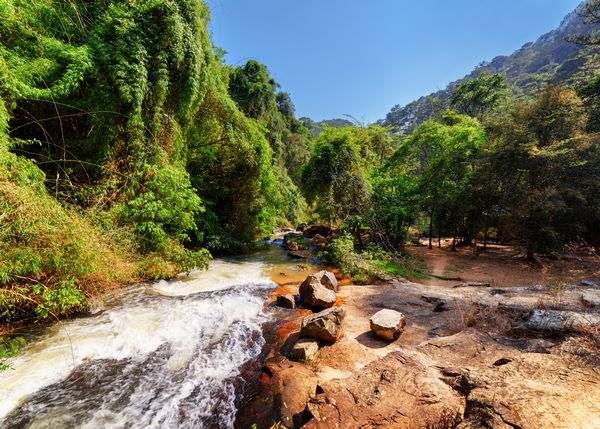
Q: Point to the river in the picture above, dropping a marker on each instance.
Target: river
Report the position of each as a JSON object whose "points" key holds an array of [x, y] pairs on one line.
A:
{"points": [[165, 355]]}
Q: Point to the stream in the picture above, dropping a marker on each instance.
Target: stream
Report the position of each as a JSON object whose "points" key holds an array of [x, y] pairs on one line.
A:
{"points": [[165, 355]]}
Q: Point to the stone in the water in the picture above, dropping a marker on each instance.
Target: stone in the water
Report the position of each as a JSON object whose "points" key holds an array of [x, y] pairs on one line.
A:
{"points": [[327, 279], [324, 326], [587, 283], [319, 241], [314, 295], [286, 301], [305, 349], [388, 324]]}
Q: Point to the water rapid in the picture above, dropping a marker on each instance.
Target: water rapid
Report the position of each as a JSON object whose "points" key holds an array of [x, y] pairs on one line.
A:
{"points": [[166, 355]]}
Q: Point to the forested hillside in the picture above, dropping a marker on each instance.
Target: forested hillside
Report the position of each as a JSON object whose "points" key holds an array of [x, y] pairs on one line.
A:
{"points": [[127, 149], [552, 59]]}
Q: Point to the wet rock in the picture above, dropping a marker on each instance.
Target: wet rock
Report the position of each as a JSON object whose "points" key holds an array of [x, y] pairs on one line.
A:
{"points": [[388, 324], [286, 301], [319, 241], [292, 246], [300, 254], [327, 279], [324, 326], [305, 349], [398, 391], [302, 227], [314, 295], [325, 231], [554, 321]]}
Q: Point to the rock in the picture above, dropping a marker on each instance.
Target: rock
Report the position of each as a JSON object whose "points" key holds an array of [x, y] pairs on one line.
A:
{"points": [[591, 298], [291, 236], [292, 246], [324, 326], [286, 301], [554, 321], [302, 227], [587, 283], [399, 390], [327, 279], [325, 231], [388, 324], [292, 385], [300, 254], [314, 295], [319, 241], [305, 349], [473, 284], [528, 390]]}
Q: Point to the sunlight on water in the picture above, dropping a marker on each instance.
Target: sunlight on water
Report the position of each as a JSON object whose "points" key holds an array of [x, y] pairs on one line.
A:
{"points": [[169, 355]]}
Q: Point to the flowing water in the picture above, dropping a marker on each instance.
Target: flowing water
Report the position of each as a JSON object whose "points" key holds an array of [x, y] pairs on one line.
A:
{"points": [[166, 355]]}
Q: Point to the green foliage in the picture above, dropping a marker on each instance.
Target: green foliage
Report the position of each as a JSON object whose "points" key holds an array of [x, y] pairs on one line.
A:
{"points": [[476, 97], [370, 265], [335, 179], [165, 206], [9, 347]]}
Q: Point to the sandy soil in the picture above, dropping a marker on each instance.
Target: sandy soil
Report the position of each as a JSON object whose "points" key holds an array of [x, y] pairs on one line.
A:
{"points": [[502, 266]]}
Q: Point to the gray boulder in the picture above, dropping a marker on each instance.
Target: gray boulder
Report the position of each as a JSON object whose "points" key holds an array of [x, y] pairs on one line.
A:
{"points": [[388, 324], [324, 326], [314, 295]]}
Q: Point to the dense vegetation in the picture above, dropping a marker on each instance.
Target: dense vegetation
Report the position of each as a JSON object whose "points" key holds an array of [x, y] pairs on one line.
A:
{"points": [[129, 150]]}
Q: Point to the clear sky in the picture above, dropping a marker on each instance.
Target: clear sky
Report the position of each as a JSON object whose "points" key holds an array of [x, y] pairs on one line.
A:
{"points": [[362, 57]]}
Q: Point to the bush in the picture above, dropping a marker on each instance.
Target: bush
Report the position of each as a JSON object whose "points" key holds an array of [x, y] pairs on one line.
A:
{"points": [[374, 263]]}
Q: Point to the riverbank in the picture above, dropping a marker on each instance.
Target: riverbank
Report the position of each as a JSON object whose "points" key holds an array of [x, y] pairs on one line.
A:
{"points": [[471, 354]]}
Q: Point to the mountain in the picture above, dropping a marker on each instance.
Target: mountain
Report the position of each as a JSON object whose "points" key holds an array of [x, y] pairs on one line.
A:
{"points": [[317, 127], [551, 59]]}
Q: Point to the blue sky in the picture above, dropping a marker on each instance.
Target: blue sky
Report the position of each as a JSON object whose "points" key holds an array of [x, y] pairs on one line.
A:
{"points": [[362, 57]]}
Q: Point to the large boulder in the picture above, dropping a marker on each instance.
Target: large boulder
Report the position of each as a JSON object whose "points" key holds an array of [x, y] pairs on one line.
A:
{"points": [[327, 279], [400, 390], [388, 324], [314, 295], [325, 326]]}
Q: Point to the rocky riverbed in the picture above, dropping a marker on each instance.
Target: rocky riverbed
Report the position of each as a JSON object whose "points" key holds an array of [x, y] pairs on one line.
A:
{"points": [[469, 356]]}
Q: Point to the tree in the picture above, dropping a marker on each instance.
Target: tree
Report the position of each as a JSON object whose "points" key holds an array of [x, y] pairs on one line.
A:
{"points": [[476, 97], [335, 179], [538, 159], [590, 94]]}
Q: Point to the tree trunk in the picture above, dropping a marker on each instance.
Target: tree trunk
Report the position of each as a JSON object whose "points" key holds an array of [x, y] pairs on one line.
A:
{"points": [[431, 229]]}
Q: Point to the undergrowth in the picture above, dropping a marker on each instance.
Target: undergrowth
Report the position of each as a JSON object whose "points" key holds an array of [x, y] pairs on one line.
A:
{"points": [[372, 264]]}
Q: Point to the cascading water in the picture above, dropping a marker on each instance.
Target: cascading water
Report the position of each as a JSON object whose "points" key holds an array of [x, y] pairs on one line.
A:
{"points": [[167, 355]]}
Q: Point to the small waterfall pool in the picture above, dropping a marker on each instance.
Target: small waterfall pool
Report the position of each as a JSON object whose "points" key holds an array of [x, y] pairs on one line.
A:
{"points": [[166, 355]]}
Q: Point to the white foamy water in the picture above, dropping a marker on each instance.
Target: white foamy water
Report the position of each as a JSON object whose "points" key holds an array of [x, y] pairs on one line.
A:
{"points": [[168, 356]]}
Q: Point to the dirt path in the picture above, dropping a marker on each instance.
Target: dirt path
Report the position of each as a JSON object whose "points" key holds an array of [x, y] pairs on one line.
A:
{"points": [[501, 267]]}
